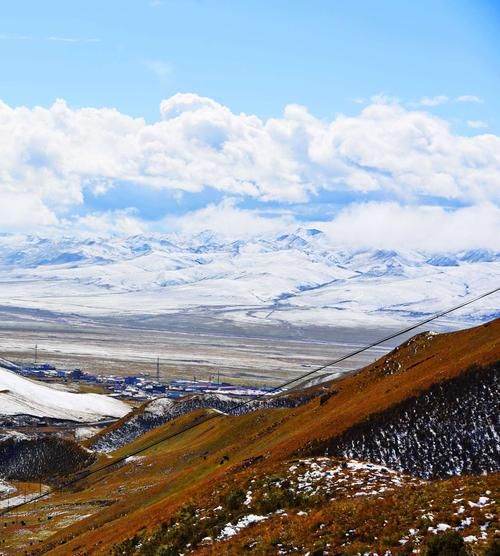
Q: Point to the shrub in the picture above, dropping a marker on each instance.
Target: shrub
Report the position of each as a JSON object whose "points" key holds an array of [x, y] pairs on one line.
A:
{"points": [[449, 543], [234, 499], [493, 549]]}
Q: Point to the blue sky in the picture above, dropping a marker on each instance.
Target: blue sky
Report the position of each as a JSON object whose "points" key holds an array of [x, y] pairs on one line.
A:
{"points": [[252, 56], [337, 58]]}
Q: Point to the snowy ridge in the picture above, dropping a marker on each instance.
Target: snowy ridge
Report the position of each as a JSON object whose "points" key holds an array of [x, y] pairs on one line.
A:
{"points": [[163, 410], [301, 278], [21, 396]]}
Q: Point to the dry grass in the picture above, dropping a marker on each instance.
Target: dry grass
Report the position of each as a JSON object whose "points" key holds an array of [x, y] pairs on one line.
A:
{"points": [[139, 496]]}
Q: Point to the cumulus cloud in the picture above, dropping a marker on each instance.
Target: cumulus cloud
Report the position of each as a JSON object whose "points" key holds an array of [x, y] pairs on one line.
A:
{"points": [[23, 211], [377, 225], [430, 228], [55, 155], [231, 222], [123, 223]]}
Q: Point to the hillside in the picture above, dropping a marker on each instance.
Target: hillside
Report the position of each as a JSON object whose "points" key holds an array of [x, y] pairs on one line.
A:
{"points": [[20, 396], [268, 482], [160, 411], [438, 433]]}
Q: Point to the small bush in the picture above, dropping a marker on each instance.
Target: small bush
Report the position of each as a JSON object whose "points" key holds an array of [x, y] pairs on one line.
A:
{"points": [[276, 497], [126, 548], [449, 543], [234, 499], [493, 549]]}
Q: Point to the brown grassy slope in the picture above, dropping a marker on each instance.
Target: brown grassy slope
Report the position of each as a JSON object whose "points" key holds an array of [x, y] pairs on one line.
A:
{"points": [[146, 492], [177, 470], [398, 521], [408, 370]]}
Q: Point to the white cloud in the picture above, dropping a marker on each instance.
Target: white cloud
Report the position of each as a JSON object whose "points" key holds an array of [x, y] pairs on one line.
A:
{"points": [[72, 39], [52, 38], [55, 154], [382, 98], [23, 211], [5, 37], [477, 124], [378, 225], [433, 101], [435, 229], [229, 221], [470, 98], [112, 222]]}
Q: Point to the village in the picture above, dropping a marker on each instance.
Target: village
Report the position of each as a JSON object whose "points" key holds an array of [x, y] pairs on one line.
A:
{"points": [[140, 387]]}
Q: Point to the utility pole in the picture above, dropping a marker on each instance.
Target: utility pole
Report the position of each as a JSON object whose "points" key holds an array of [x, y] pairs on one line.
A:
{"points": [[218, 376], [36, 353], [158, 369]]}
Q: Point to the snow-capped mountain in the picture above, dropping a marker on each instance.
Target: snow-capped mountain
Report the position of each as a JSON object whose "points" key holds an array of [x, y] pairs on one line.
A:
{"points": [[299, 278]]}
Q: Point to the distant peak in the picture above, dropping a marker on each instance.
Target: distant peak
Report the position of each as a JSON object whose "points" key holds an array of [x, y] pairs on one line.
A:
{"points": [[313, 231]]}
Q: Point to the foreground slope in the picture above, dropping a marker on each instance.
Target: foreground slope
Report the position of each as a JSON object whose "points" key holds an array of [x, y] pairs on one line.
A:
{"points": [[268, 481]]}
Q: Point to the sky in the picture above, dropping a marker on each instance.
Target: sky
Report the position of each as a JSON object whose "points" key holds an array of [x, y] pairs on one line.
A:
{"points": [[364, 119]]}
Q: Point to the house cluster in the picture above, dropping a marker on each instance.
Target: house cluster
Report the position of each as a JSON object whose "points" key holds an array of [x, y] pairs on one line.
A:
{"points": [[142, 387]]}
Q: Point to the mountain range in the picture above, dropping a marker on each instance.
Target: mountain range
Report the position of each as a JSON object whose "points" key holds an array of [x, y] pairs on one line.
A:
{"points": [[301, 278]]}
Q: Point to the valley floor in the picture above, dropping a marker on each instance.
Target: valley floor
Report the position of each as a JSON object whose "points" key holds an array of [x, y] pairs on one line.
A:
{"points": [[263, 356]]}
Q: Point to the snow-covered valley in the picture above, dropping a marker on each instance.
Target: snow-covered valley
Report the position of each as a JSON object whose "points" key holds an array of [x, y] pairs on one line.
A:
{"points": [[299, 279]]}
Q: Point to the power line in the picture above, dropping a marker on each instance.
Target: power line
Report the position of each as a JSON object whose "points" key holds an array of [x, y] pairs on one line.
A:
{"points": [[259, 396], [84, 475], [370, 346]]}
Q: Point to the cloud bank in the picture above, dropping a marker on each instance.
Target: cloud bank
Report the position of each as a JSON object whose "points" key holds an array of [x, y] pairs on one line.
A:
{"points": [[53, 157]]}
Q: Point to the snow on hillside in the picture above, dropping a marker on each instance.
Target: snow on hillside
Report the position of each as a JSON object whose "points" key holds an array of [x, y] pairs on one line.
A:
{"points": [[162, 410], [450, 429], [6, 489], [21, 396], [300, 278]]}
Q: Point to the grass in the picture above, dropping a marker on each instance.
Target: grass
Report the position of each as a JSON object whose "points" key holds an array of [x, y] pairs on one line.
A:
{"points": [[197, 471]]}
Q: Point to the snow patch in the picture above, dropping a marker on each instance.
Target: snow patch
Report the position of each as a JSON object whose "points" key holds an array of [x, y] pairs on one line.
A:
{"points": [[232, 530], [22, 396]]}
